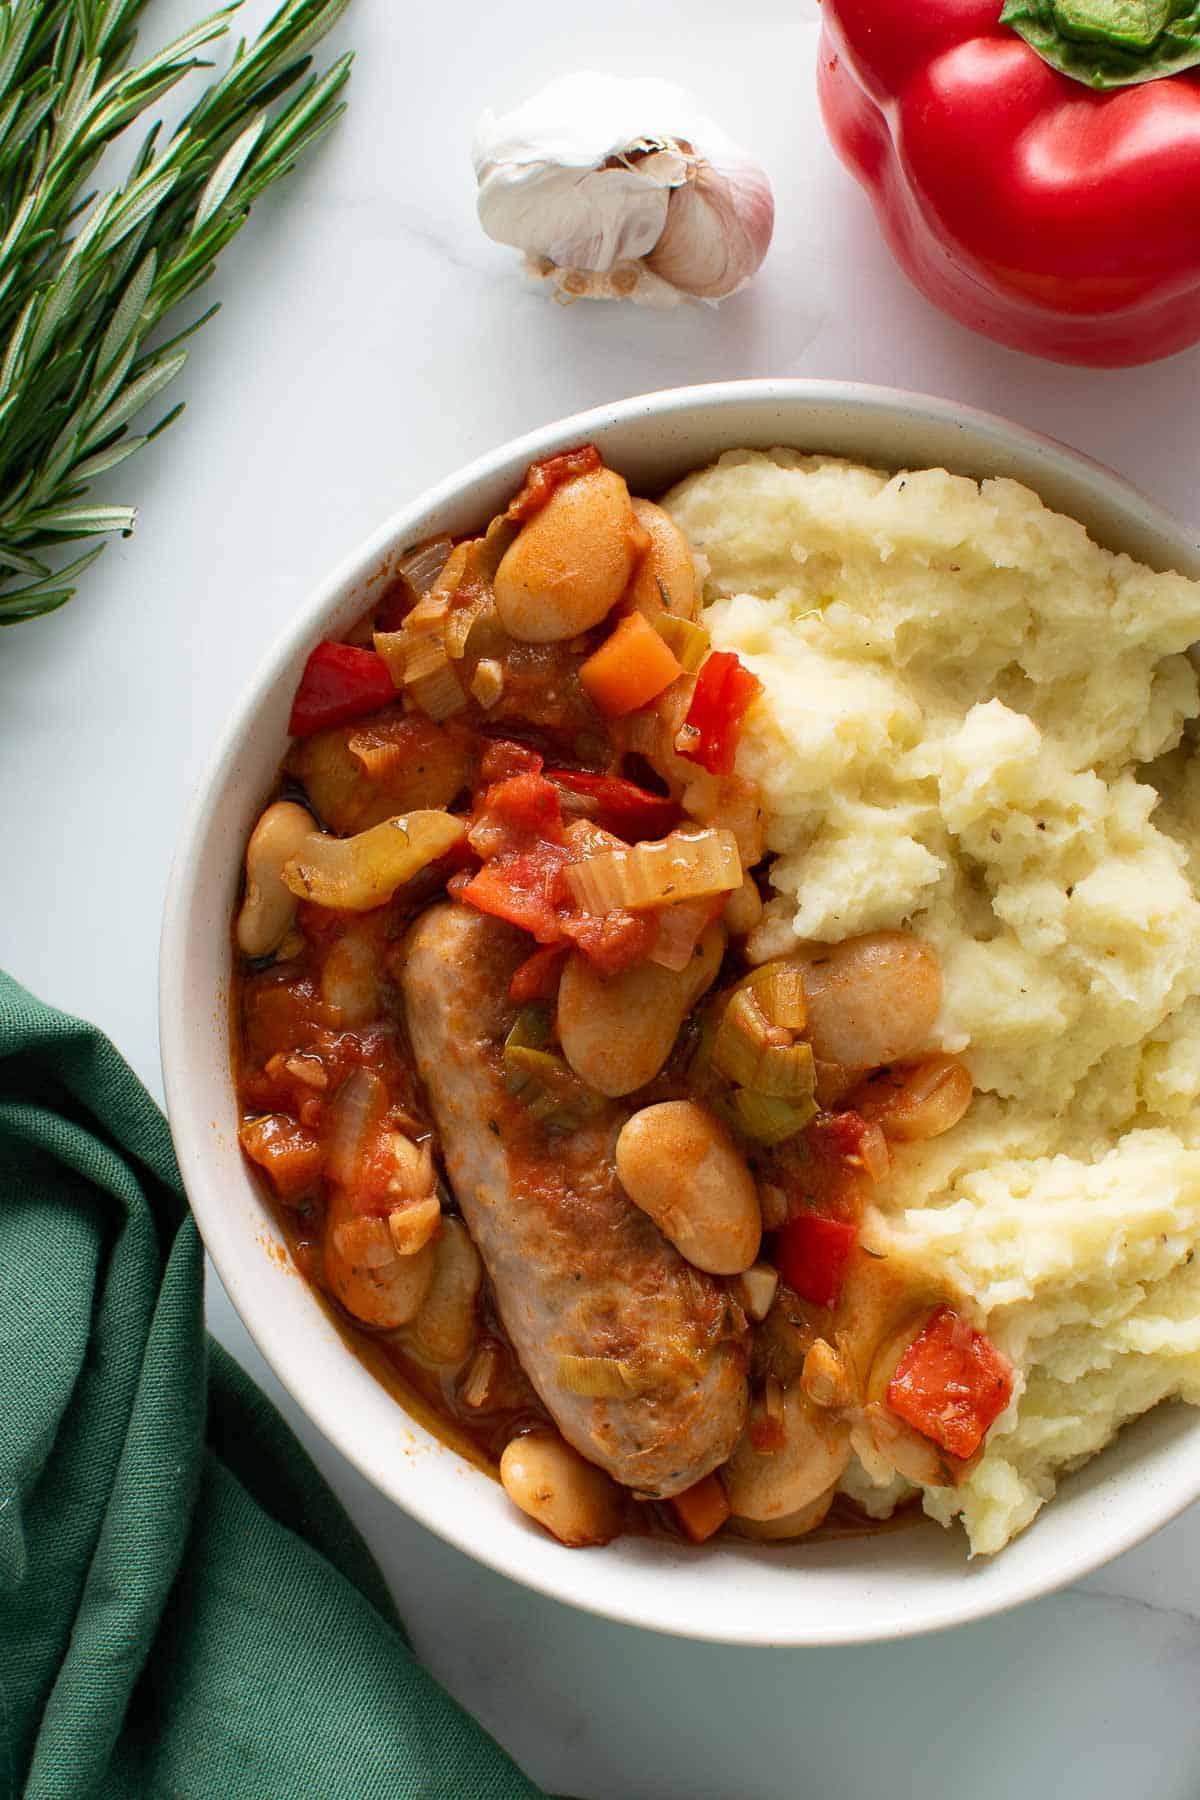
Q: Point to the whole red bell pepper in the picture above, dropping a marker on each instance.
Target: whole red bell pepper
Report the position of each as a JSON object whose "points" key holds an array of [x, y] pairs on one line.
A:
{"points": [[1035, 165]]}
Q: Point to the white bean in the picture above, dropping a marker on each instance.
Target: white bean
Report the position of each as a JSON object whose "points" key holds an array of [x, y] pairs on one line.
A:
{"points": [[666, 575], [571, 563], [917, 1100], [871, 1000], [572, 1499], [679, 1164], [349, 983], [617, 1033], [269, 908], [744, 908], [444, 1328], [792, 1525], [774, 1483], [363, 1270]]}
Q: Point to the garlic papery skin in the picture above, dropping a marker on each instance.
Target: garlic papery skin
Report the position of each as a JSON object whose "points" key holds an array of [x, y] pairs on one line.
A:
{"points": [[621, 187]]}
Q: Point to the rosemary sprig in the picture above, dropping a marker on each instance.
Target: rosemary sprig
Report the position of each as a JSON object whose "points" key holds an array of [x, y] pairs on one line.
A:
{"points": [[86, 280]]}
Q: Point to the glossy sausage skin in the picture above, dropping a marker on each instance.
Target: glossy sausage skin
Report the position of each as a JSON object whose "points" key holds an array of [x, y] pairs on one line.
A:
{"points": [[575, 1267]]}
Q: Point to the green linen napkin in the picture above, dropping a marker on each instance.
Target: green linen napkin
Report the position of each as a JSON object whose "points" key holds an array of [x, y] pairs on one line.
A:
{"points": [[185, 1609]]}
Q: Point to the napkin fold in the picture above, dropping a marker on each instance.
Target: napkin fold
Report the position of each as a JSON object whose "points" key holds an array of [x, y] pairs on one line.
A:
{"points": [[185, 1609]]}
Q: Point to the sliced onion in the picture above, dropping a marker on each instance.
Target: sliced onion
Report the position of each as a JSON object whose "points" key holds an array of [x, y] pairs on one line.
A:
{"points": [[422, 566], [754, 1289], [686, 865], [356, 1110], [431, 681], [680, 929], [486, 1368], [357, 873]]}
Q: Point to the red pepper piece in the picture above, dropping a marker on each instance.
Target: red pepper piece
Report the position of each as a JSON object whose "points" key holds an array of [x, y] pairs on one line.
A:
{"points": [[811, 1253], [722, 696], [340, 682], [951, 1383], [1051, 216], [629, 811]]}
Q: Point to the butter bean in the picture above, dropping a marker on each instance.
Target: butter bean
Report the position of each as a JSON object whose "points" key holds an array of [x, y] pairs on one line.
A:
{"points": [[363, 1270], [571, 563], [679, 1164], [570, 1498], [445, 1326], [810, 1459], [617, 1032], [871, 999], [349, 984], [268, 909], [666, 574]]}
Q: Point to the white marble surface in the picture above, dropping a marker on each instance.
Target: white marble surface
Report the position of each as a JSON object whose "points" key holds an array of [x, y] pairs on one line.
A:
{"points": [[371, 341]]}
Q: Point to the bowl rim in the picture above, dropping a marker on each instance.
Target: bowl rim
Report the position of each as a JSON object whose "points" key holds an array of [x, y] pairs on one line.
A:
{"points": [[1131, 1525]]}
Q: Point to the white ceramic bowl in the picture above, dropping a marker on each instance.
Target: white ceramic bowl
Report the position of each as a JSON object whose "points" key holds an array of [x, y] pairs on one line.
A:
{"points": [[852, 1591]]}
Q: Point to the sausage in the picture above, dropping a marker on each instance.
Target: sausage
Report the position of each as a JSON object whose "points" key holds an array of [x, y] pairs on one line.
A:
{"points": [[576, 1268]]}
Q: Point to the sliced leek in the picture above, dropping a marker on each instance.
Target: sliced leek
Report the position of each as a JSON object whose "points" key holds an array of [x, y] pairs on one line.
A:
{"points": [[767, 1119], [752, 1052], [599, 1377], [686, 865], [779, 989], [431, 681], [689, 643], [542, 1080], [354, 874]]}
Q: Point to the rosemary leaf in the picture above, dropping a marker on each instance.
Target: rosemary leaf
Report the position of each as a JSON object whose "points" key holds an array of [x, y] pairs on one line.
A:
{"points": [[87, 279]]}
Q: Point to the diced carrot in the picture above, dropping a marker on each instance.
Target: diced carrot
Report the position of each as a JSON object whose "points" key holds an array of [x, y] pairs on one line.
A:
{"points": [[951, 1383], [702, 1509], [632, 667], [290, 1155]]}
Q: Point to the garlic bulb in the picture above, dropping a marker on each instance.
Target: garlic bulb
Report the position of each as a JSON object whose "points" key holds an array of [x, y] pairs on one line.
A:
{"points": [[621, 188]]}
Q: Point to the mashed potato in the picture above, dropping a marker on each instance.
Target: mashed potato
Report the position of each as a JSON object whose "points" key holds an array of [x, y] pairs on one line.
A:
{"points": [[973, 726]]}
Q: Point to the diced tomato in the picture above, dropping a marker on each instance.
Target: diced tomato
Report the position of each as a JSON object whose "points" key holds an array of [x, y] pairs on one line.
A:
{"points": [[541, 478], [723, 693], [528, 805], [613, 941], [839, 1134], [339, 683], [525, 887], [503, 758], [632, 812], [951, 1383], [822, 1169], [811, 1253], [537, 977], [702, 1509]]}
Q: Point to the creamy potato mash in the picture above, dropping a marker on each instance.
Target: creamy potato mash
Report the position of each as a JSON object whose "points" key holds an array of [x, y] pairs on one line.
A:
{"points": [[974, 726]]}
